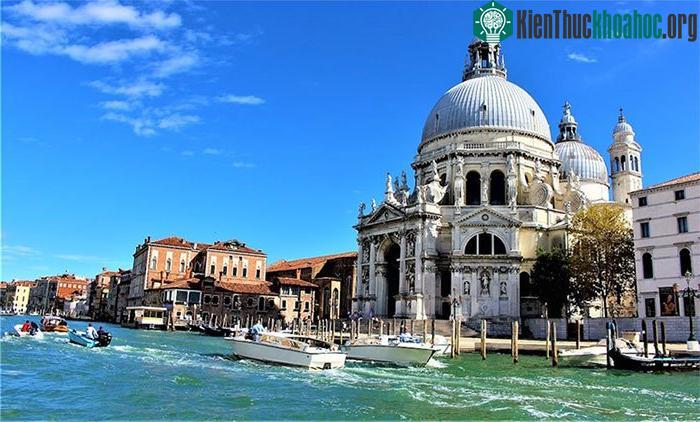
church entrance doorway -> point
(391, 257)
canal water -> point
(159, 375)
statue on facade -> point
(434, 170)
(404, 182)
(504, 289)
(484, 192)
(466, 288)
(485, 280)
(512, 192)
(459, 184)
(373, 205)
(510, 164)
(361, 210)
(397, 188)
(388, 184)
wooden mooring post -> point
(484, 329)
(555, 351)
(425, 331)
(432, 331)
(453, 340)
(369, 327)
(663, 338)
(546, 340)
(645, 338)
(458, 336)
(578, 334)
(514, 345)
(655, 333)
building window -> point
(183, 265)
(497, 188)
(215, 300)
(642, 201)
(650, 307)
(212, 269)
(623, 163)
(668, 301)
(154, 262)
(647, 266)
(284, 305)
(296, 305)
(686, 265)
(224, 270)
(485, 244)
(234, 271)
(257, 273)
(261, 304)
(682, 224)
(473, 188)
(679, 194)
(250, 302)
(307, 306)
(616, 166)
(168, 264)
(645, 229)
(245, 272)
(207, 299)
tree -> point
(602, 256)
(552, 281)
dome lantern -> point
(484, 59)
(568, 128)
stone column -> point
(428, 281)
(372, 274)
(403, 287)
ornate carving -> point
(373, 205)
(410, 244)
(411, 275)
(365, 275)
(365, 245)
(484, 190)
(512, 191)
(361, 210)
(574, 201)
(540, 193)
(504, 289)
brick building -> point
(118, 295)
(98, 294)
(334, 275)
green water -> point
(158, 375)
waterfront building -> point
(16, 298)
(98, 294)
(159, 262)
(333, 274)
(490, 190)
(297, 299)
(666, 220)
(119, 296)
(3, 288)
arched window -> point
(623, 163)
(183, 265)
(154, 262)
(686, 265)
(616, 167)
(647, 266)
(224, 270)
(261, 303)
(473, 188)
(497, 188)
(485, 244)
(168, 264)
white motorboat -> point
(596, 355)
(35, 332)
(395, 350)
(283, 349)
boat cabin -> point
(149, 317)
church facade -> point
(490, 190)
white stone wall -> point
(677, 328)
(665, 243)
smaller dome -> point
(583, 160)
(622, 127)
(567, 118)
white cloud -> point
(241, 99)
(187, 153)
(19, 251)
(112, 51)
(140, 126)
(116, 105)
(212, 151)
(77, 257)
(102, 12)
(243, 165)
(176, 121)
(137, 88)
(581, 58)
(177, 64)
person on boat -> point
(100, 331)
(33, 328)
(256, 330)
(26, 327)
(91, 333)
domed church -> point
(490, 189)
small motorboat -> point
(216, 331)
(33, 332)
(401, 350)
(80, 338)
(596, 356)
(283, 349)
(54, 324)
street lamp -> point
(689, 294)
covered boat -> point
(654, 364)
(79, 337)
(401, 350)
(54, 324)
(283, 349)
(596, 356)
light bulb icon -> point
(493, 22)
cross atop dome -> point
(484, 59)
(621, 117)
(568, 128)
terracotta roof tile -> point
(307, 262)
(678, 180)
(174, 241)
(183, 283)
(288, 281)
(260, 288)
(234, 246)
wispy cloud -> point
(19, 251)
(102, 12)
(116, 105)
(581, 58)
(77, 257)
(139, 88)
(212, 151)
(241, 99)
(243, 165)
(177, 64)
(140, 126)
(187, 153)
(177, 121)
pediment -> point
(385, 212)
(487, 216)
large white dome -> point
(486, 101)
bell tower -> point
(625, 161)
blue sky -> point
(270, 122)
